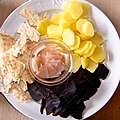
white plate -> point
(103, 24)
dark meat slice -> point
(76, 110)
(92, 79)
(61, 109)
(42, 106)
(52, 104)
(102, 71)
(38, 91)
(58, 88)
(83, 93)
(65, 114)
(75, 97)
(77, 76)
(69, 90)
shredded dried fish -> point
(6, 41)
(16, 48)
(30, 32)
(32, 17)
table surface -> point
(111, 111)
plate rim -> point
(27, 2)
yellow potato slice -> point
(65, 5)
(76, 44)
(75, 9)
(55, 19)
(68, 37)
(79, 24)
(83, 37)
(90, 51)
(87, 29)
(73, 28)
(66, 19)
(92, 66)
(90, 46)
(62, 26)
(84, 62)
(76, 62)
(53, 31)
(86, 8)
(99, 55)
(84, 45)
(85, 17)
(42, 26)
(97, 39)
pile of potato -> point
(74, 28)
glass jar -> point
(64, 50)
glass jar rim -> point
(58, 80)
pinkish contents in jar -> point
(49, 61)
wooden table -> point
(111, 111)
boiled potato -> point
(90, 46)
(42, 26)
(84, 62)
(55, 19)
(65, 5)
(68, 37)
(87, 29)
(86, 8)
(79, 24)
(53, 31)
(75, 9)
(83, 37)
(90, 51)
(76, 62)
(84, 45)
(66, 19)
(97, 39)
(76, 44)
(92, 66)
(62, 26)
(73, 28)
(99, 55)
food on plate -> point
(6, 41)
(53, 31)
(66, 19)
(28, 31)
(49, 61)
(87, 29)
(99, 55)
(90, 51)
(31, 63)
(55, 19)
(42, 26)
(97, 39)
(84, 46)
(68, 37)
(75, 9)
(86, 8)
(84, 62)
(77, 62)
(76, 43)
(92, 66)
(80, 23)
(32, 17)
